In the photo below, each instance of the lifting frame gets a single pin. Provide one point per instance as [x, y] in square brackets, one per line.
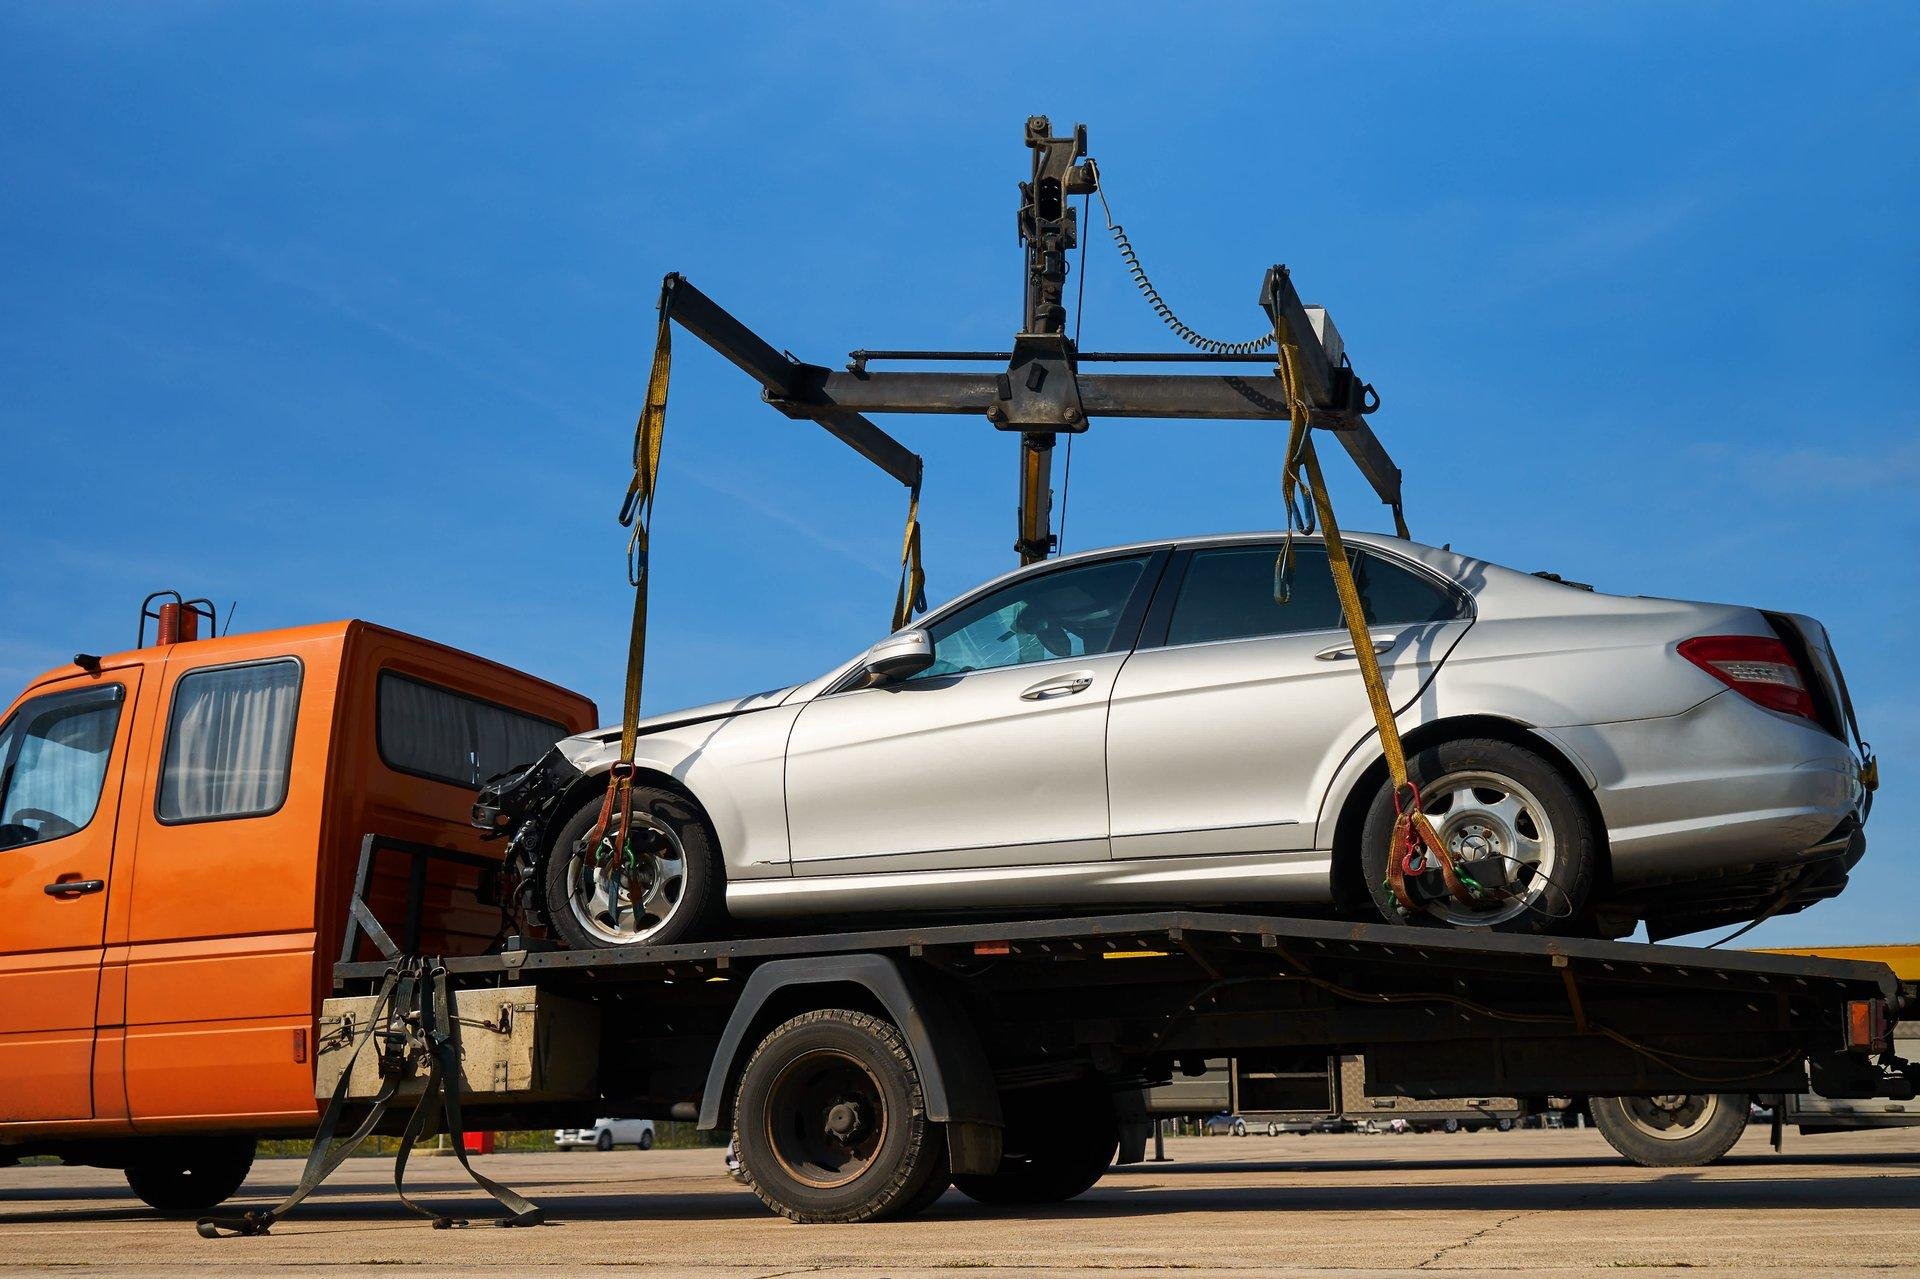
[1043, 392]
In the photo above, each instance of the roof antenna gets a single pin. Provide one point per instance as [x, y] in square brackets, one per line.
[228, 628]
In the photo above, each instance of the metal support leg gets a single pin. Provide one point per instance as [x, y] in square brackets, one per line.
[1036, 498]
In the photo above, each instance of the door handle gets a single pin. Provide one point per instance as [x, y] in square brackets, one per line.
[1346, 652]
[1059, 686]
[71, 888]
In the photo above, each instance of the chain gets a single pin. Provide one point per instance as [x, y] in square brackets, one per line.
[1152, 295]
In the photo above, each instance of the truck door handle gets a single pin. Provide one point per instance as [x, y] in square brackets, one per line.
[71, 888]
[1346, 653]
[1059, 686]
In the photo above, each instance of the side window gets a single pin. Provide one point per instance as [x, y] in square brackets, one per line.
[53, 762]
[1229, 593]
[450, 737]
[229, 742]
[1073, 612]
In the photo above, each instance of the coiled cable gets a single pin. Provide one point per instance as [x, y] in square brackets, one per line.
[1212, 346]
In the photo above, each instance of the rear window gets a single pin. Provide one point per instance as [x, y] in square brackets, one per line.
[451, 737]
[229, 742]
[1230, 593]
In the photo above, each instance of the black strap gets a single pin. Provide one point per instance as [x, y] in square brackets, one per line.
[412, 995]
[326, 1155]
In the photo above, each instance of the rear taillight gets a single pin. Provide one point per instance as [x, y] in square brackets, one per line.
[1758, 667]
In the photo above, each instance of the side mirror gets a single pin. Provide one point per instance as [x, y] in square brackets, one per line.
[898, 656]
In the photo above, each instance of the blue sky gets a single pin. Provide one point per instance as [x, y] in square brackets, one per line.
[346, 311]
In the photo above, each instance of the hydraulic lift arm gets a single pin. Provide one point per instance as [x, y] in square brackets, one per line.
[1042, 391]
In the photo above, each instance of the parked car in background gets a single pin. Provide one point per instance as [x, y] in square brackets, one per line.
[1172, 723]
[606, 1134]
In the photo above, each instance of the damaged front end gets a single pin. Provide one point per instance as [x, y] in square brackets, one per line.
[518, 805]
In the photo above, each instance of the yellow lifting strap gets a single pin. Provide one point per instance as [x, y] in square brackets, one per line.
[1414, 838]
[636, 511]
[911, 598]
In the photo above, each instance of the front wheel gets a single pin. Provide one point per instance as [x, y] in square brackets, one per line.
[646, 1139]
[1516, 828]
[663, 886]
[604, 1142]
[189, 1174]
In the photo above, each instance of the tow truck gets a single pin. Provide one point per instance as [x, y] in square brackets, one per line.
[860, 1072]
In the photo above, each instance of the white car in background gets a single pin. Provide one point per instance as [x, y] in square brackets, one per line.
[1154, 726]
[606, 1134]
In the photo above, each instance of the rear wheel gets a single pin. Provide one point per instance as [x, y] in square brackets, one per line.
[1514, 825]
[664, 885]
[646, 1139]
[1058, 1141]
[190, 1174]
[1677, 1130]
[832, 1123]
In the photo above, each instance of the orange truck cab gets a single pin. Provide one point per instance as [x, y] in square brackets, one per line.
[180, 826]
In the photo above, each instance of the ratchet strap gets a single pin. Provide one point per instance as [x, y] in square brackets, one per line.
[1415, 847]
[413, 1021]
[636, 512]
[911, 598]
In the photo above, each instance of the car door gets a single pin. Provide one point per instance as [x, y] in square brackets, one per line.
[1229, 721]
[62, 755]
[995, 754]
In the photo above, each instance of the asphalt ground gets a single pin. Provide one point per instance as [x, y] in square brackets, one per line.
[1534, 1203]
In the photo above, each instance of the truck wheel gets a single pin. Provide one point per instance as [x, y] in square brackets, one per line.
[1058, 1141]
[832, 1123]
[189, 1174]
[1678, 1130]
[1508, 809]
[666, 887]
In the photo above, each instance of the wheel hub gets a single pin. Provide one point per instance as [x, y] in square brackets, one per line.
[846, 1121]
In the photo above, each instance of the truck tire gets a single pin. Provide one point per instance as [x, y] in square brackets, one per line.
[832, 1123]
[1058, 1141]
[1493, 799]
[1679, 1130]
[673, 866]
[189, 1174]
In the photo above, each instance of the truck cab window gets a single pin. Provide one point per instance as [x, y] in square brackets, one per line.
[53, 760]
[451, 737]
[229, 742]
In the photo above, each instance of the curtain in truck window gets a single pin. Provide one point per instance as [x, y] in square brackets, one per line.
[229, 742]
[450, 737]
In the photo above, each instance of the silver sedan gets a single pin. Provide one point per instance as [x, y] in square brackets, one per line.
[1169, 725]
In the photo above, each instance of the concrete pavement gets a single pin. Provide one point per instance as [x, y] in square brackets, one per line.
[1538, 1203]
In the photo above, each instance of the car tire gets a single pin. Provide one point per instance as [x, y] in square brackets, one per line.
[189, 1174]
[1472, 789]
[604, 1142]
[646, 1139]
[1675, 1131]
[1058, 1140]
[872, 1159]
[669, 831]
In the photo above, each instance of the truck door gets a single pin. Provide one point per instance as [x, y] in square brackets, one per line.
[62, 756]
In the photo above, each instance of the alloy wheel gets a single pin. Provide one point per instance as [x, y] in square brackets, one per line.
[628, 898]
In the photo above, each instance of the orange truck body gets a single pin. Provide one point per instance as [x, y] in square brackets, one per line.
[181, 996]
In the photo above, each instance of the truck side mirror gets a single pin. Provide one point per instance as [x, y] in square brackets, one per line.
[899, 656]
